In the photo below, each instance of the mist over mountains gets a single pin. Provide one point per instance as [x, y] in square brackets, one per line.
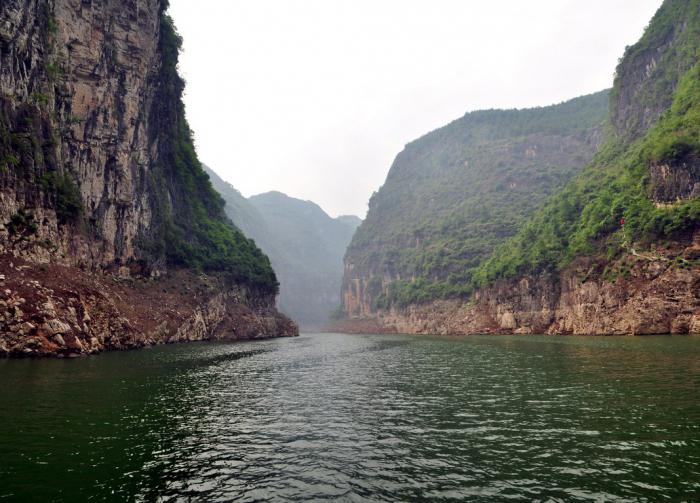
[305, 245]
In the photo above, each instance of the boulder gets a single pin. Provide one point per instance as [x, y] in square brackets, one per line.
[55, 326]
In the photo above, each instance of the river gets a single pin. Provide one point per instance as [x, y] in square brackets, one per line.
[333, 417]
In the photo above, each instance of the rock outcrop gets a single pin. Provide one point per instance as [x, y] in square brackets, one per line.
[55, 310]
[99, 184]
[638, 294]
[77, 88]
[676, 180]
[651, 69]
[613, 251]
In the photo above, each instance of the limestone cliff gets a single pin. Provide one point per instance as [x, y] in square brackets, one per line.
[98, 174]
[453, 195]
[616, 250]
[77, 83]
[652, 293]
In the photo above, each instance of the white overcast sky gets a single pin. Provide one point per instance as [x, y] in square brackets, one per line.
[315, 98]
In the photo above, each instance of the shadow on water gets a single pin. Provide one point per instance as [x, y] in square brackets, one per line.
[86, 428]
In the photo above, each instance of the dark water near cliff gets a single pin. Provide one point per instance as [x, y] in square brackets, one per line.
[358, 418]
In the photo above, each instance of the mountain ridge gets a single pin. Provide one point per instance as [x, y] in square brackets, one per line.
[614, 250]
[304, 243]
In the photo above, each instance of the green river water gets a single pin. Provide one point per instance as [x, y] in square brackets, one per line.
[333, 417]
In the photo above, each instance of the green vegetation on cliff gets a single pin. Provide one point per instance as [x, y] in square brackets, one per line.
[194, 230]
[647, 172]
[652, 182]
[454, 195]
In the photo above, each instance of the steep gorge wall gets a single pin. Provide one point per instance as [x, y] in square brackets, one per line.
[306, 247]
[572, 268]
[98, 175]
[78, 83]
[453, 195]
[650, 69]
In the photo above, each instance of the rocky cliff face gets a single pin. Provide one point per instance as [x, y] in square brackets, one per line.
[614, 251]
[650, 70]
[635, 295]
[453, 195]
[675, 180]
[98, 172]
[78, 82]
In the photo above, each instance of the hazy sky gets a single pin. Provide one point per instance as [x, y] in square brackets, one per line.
[315, 98]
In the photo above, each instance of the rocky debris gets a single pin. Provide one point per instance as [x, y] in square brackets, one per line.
[55, 327]
[53, 310]
[636, 295]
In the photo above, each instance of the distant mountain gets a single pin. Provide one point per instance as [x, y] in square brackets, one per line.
[305, 245]
[350, 220]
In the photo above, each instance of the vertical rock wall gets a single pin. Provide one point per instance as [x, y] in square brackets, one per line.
[77, 82]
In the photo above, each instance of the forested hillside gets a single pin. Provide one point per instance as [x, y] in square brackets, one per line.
[648, 173]
[453, 195]
[615, 249]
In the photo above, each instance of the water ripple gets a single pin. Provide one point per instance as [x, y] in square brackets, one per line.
[359, 418]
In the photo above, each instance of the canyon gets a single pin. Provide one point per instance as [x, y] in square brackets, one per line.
[305, 246]
[580, 217]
